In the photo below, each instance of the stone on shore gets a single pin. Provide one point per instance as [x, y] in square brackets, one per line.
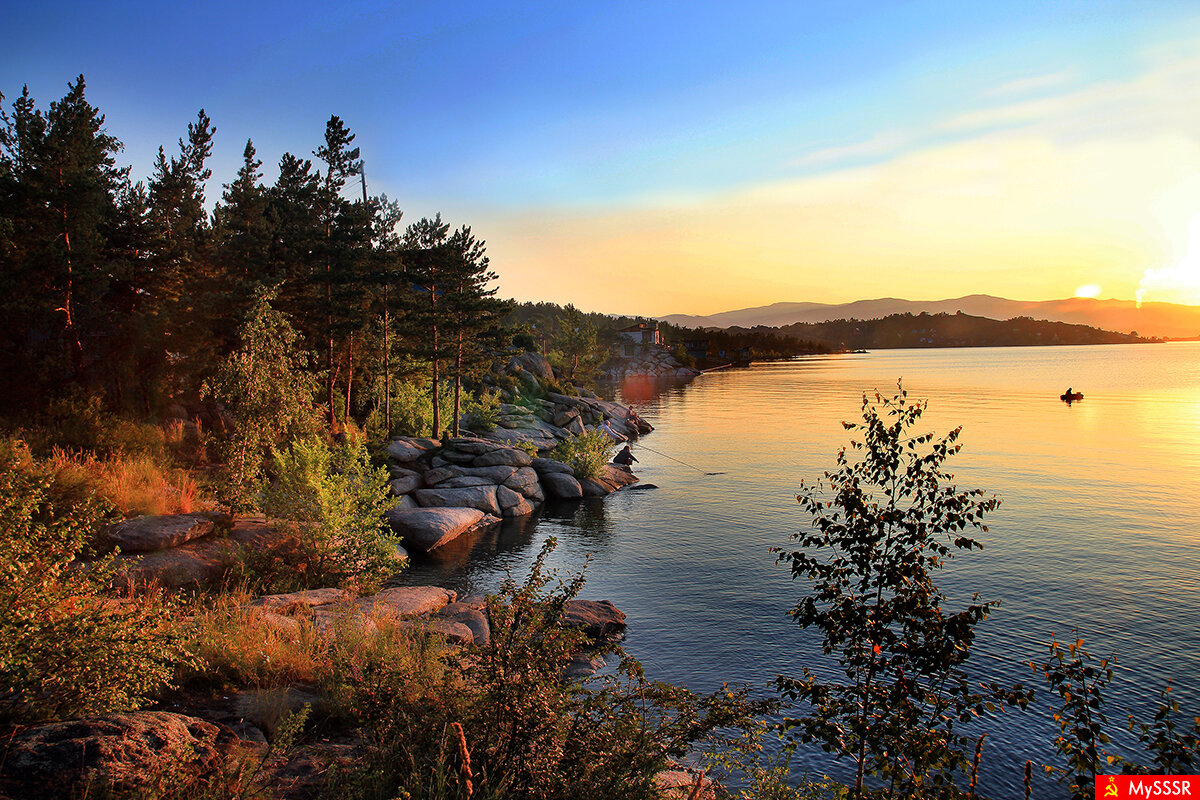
[504, 456]
[548, 466]
[405, 449]
[115, 752]
[599, 619]
[481, 498]
[148, 534]
[298, 601]
[424, 529]
[407, 601]
[562, 485]
[467, 614]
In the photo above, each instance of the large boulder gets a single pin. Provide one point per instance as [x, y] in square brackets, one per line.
[407, 601]
[523, 480]
[482, 498]
[599, 619]
[504, 456]
[424, 529]
[147, 534]
[562, 485]
[610, 479]
[544, 466]
[404, 449]
[404, 484]
[534, 363]
[112, 753]
[471, 445]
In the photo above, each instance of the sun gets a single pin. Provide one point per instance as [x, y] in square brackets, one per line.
[1091, 290]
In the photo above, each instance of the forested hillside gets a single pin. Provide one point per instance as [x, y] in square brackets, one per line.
[132, 291]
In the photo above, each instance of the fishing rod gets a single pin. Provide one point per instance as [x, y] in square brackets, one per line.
[676, 460]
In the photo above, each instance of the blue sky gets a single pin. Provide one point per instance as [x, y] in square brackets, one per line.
[533, 122]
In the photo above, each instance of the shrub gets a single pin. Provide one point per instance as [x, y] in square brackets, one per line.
[267, 389]
[481, 414]
[334, 501]
[888, 521]
[587, 454]
[65, 647]
[515, 729]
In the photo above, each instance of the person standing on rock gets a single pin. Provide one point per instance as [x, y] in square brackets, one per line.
[625, 457]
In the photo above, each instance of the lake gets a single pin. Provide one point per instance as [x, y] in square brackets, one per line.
[1096, 531]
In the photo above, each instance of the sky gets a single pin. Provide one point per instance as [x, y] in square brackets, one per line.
[656, 158]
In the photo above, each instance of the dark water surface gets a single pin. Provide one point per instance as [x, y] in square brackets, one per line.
[1097, 529]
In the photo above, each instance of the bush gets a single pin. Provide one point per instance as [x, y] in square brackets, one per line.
[587, 454]
[334, 501]
[131, 484]
[266, 386]
[481, 414]
[515, 729]
[890, 518]
[66, 648]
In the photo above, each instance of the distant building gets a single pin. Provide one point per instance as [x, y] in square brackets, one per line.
[638, 337]
[696, 348]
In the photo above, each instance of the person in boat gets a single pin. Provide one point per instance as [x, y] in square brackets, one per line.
[625, 457]
[1069, 392]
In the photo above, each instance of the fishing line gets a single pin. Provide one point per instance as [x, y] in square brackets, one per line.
[676, 460]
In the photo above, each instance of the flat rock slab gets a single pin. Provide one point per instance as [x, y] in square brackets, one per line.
[297, 601]
[481, 498]
[407, 601]
[549, 465]
[504, 456]
[119, 752]
[424, 529]
[204, 561]
[147, 534]
[600, 619]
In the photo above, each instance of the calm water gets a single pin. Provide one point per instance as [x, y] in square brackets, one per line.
[1097, 529]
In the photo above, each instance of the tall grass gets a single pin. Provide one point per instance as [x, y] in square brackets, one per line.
[137, 484]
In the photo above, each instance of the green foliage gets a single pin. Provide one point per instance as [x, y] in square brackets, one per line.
[587, 454]
[515, 729]
[66, 646]
[527, 446]
[1079, 683]
[480, 414]
[412, 407]
[334, 501]
[882, 525]
[265, 388]
[1173, 751]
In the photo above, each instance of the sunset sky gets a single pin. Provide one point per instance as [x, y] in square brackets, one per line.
[662, 158]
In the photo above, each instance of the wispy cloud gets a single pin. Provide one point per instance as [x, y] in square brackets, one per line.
[1033, 83]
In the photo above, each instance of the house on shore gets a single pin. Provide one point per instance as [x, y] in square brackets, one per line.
[638, 338]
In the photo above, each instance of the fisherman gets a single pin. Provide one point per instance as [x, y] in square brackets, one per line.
[625, 457]
[606, 426]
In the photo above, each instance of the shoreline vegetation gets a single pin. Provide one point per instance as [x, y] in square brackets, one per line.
[219, 428]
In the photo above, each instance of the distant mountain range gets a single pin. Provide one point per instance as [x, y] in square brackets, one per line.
[1167, 320]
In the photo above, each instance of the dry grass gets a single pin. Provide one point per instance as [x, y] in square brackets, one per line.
[236, 644]
[133, 484]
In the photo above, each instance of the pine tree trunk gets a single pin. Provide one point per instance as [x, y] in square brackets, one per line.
[458, 382]
[387, 369]
[349, 382]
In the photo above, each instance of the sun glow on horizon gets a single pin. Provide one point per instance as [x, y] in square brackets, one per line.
[1091, 290]
[1180, 283]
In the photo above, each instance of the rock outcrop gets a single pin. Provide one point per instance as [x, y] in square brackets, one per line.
[115, 752]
